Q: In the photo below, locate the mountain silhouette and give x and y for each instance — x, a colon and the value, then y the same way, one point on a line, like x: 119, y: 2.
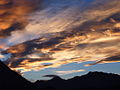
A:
x: 12, y: 80
x: 93, y: 80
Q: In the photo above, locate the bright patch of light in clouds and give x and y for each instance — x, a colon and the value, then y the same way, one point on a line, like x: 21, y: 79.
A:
x: 69, y: 72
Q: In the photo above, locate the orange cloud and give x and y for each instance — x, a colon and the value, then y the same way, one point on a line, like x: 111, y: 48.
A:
x: 15, y: 11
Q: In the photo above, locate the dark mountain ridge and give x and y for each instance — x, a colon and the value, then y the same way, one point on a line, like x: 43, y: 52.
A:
x: 89, y: 81
x: 12, y: 80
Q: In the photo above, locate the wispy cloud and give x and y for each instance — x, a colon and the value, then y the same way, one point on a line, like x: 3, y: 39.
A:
x: 68, y: 72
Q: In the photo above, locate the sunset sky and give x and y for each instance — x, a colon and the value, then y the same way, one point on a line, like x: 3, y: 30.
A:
x: 60, y: 37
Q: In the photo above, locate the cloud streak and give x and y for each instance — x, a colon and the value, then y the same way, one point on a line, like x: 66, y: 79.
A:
x: 68, y: 72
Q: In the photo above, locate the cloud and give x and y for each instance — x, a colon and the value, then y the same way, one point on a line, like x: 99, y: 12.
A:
x: 14, y: 13
x: 63, y: 35
x: 68, y: 72
x: 112, y: 59
x: 56, y: 18
x: 96, y: 48
x: 50, y: 76
x: 5, y: 57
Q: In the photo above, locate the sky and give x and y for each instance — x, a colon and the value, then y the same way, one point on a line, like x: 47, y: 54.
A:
x: 60, y: 37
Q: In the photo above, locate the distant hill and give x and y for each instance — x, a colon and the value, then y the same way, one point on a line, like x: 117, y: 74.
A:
x: 89, y: 81
x: 13, y: 81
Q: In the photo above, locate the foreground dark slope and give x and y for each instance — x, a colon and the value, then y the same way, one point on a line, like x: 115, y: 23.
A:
x: 12, y: 80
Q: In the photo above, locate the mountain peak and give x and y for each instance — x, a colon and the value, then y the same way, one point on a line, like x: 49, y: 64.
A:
x: 57, y: 78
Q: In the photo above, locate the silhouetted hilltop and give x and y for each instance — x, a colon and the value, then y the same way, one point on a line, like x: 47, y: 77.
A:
x: 12, y: 80
x: 95, y: 80
x: 90, y: 80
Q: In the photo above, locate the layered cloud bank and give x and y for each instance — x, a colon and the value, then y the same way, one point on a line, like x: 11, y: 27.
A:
x: 61, y: 32
x: 13, y: 14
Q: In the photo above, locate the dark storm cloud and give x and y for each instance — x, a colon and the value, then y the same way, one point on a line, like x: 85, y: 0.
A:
x: 50, y: 76
x: 111, y: 59
x: 19, y: 62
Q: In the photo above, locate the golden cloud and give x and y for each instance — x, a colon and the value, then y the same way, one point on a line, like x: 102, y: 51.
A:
x: 15, y: 11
